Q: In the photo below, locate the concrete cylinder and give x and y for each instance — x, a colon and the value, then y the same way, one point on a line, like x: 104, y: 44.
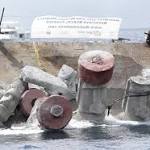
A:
x: 28, y: 99
x: 54, y: 113
x: 96, y: 67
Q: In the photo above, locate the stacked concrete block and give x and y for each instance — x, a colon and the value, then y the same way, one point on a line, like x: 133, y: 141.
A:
x: 95, y: 70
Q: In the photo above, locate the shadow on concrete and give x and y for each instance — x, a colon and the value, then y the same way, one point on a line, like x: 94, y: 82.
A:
x: 10, y: 57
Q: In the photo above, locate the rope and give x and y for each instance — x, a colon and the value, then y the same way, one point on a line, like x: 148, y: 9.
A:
x: 37, y: 50
x: 38, y: 58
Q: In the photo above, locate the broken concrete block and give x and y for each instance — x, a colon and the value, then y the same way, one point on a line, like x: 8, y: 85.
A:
x: 11, y: 99
x: 34, y: 86
x: 2, y: 91
x: 137, y: 98
x: 32, y: 120
x: 69, y: 76
x: 52, y: 84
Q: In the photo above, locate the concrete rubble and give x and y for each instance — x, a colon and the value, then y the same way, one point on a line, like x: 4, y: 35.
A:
x: 32, y: 77
x: 32, y: 119
x: 128, y: 65
x: 93, y: 100
x: 51, y: 84
x: 69, y: 76
x: 10, y: 99
x: 136, y: 103
x: 2, y: 91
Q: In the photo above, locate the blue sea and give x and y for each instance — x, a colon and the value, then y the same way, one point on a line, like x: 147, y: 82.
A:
x: 134, y: 35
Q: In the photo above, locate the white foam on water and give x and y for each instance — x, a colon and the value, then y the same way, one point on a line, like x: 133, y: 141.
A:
x: 25, y: 129
x: 114, y: 121
x: 79, y: 124
x: 110, y: 121
x: 21, y: 129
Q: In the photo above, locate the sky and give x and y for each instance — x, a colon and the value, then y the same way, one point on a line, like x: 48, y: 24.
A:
x: 134, y: 13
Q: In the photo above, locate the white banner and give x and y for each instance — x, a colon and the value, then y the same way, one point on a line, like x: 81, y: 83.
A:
x: 75, y: 27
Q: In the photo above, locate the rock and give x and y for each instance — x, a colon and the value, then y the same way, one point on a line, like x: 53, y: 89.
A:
x: 11, y: 99
x: 69, y: 76
x: 32, y: 120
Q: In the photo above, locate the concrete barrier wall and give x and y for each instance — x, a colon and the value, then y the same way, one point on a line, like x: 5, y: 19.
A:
x: 130, y: 58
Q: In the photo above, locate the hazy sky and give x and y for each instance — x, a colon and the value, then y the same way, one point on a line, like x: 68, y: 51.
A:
x: 135, y: 13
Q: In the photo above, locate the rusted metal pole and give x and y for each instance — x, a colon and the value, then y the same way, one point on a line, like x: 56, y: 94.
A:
x: 2, y: 18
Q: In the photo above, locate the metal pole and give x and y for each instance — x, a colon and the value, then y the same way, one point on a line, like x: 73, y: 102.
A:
x: 2, y: 18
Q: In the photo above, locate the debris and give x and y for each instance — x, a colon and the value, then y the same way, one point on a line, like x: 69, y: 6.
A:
x: 32, y: 119
x: 11, y: 99
x: 69, y: 76
x: 137, y: 98
x: 52, y: 84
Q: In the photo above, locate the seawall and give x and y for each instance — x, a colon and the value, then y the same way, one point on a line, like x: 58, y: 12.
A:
x: 130, y: 59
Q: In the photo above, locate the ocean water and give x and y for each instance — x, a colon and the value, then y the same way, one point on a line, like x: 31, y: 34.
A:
x: 133, y: 35
x: 80, y: 135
